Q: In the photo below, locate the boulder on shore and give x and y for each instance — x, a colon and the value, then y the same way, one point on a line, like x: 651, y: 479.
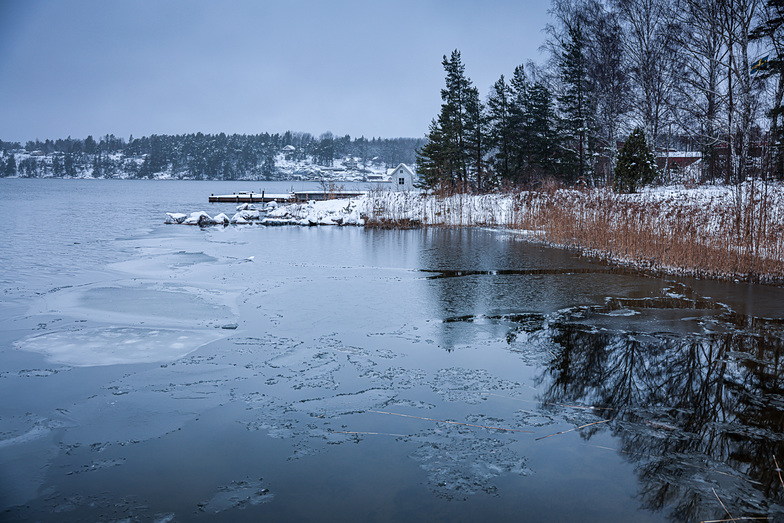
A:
x: 175, y: 217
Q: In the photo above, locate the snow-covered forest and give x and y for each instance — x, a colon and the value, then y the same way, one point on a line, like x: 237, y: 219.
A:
x: 700, y: 79
x: 205, y: 156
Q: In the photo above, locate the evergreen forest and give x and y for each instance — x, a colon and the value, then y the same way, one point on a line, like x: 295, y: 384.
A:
x: 196, y: 156
x: 698, y: 76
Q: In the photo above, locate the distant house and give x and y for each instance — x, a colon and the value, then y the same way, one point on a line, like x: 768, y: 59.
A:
x: 289, y: 149
x: 350, y: 163
x: 403, y: 178
x: 683, y: 166
x: 677, y: 159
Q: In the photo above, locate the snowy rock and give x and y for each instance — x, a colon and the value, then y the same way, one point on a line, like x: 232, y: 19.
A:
x: 249, y: 214
x: 313, y: 213
x: 222, y: 219
x: 200, y: 218
x: 175, y: 217
x: 247, y: 207
x: 238, y: 219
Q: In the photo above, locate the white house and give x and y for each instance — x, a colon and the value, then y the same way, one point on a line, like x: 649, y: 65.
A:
x: 403, y: 178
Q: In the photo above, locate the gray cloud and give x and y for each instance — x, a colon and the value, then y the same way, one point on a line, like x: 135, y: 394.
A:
x: 147, y: 67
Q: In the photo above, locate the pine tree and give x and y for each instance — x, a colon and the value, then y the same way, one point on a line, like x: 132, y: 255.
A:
x: 519, y: 109
x: 540, y: 132
x: 475, y: 134
x: 445, y: 158
x: 500, y: 129
x: 575, y: 107
x: 89, y: 145
x: 430, y: 158
x: 10, y: 166
x: 636, y: 165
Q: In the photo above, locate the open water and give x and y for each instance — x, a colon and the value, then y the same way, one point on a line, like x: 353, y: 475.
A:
x: 153, y: 372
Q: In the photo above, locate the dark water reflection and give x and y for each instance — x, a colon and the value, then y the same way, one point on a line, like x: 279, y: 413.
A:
x: 691, y: 388
x: 700, y: 416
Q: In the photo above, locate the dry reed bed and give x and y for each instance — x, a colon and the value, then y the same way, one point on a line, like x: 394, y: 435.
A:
x: 725, y: 232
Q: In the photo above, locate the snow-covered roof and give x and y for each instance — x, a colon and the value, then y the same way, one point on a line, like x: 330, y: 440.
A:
x: 401, y: 166
x: 679, y: 154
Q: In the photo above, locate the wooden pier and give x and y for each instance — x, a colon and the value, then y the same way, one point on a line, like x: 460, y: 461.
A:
x: 251, y: 197
x: 293, y: 197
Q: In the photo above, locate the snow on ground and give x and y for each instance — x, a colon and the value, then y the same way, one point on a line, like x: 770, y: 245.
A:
x: 709, y: 203
x: 329, y: 212
x: 342, y: 170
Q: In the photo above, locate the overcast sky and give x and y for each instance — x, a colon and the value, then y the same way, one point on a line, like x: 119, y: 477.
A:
x: 141, y: 67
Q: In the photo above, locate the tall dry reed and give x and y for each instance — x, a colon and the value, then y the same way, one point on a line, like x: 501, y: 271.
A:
x: 733, y: 232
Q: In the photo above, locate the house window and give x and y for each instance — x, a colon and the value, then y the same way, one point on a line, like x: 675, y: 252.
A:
x: 401, y: 181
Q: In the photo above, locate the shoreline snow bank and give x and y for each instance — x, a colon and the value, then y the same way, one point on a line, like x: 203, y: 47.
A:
x: 721, y: 232
x: 329, y: 212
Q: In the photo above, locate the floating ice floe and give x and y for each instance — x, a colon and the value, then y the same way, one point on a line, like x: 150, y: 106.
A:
x: 117, y: 345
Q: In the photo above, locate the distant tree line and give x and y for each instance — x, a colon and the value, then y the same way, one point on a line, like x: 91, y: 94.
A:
x: 696, y: 75
x: 194, y: 156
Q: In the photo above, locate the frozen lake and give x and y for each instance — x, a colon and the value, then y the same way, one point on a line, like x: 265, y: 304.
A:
x: 171, y: 373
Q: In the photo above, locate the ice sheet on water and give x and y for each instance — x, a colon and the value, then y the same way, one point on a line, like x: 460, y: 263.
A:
x: 458, y: 462
x: 468, y: 385
x: 129, y: 418
x: 237, y: 495
x: 117, y: 345
x: 144, y: 302
x: 342, y: 404
x: 307, y: 367
x: 26, y: 451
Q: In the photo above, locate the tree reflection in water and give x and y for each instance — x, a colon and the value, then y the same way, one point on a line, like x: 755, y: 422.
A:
x: 694, y: 412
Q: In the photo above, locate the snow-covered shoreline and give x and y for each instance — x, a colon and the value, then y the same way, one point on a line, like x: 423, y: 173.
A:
x: 734, y: 232
x: 329, y: 212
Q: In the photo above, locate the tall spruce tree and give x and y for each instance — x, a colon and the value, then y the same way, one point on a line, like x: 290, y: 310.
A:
x: 500, y: 130
x: 576, y: 112
x: 519, y: 113
x: 445, y: 158
x: 540, y: 132
x: 475, y: 138
x: 431, y: 158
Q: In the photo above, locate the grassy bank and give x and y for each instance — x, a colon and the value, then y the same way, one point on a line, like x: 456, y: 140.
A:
x: 724, y: 232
